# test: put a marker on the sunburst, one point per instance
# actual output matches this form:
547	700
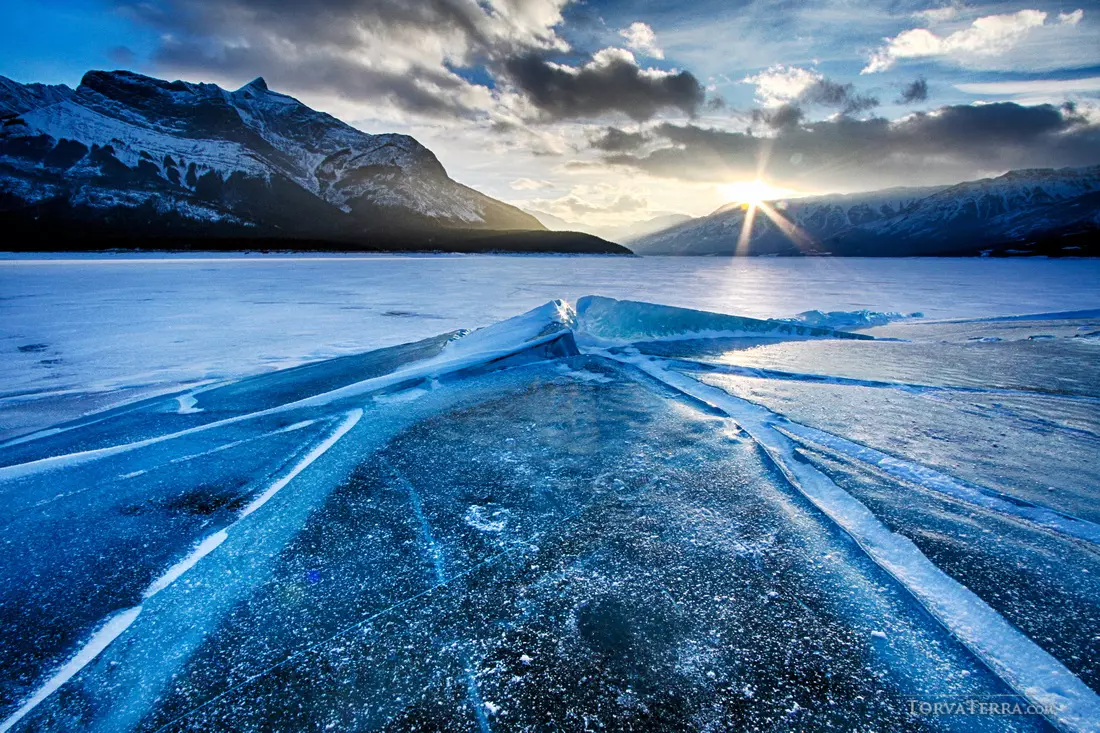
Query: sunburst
757	195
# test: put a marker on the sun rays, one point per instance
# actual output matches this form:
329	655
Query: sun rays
758	195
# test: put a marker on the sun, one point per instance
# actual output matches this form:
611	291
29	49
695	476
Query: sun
750	193
756	195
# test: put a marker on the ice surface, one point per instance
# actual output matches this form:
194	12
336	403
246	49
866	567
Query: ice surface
1043	583
599	511
117	328
1018	660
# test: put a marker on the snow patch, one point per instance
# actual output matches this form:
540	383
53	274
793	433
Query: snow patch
583	375
397	398
486	519
187	404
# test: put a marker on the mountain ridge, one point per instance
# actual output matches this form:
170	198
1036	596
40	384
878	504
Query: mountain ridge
130	156
1028	211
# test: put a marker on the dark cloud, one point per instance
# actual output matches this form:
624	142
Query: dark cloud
915	91
950	143
410	53
715	104
786	115
341	23
403	51
821	93
428	91
614	140
844	97
611	83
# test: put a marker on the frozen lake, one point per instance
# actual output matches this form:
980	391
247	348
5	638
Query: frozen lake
101	324
587	513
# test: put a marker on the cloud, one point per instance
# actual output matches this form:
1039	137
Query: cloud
614	140
425	90
407	53
641	38
780	84
1036	86
530	184
842	96
938	15
915	91
441	59
612	82
1071	18
787	115
602	202
987	37
623	204
786	89
944	145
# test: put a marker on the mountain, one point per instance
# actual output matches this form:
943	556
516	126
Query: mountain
819	217
1015	210
128	157
1045	211
621	234
554	223
627	234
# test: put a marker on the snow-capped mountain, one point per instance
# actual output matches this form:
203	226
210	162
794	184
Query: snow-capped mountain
819	217
177	157
1021	211
16	98
1013	208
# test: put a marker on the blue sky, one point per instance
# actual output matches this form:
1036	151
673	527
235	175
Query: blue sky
606	112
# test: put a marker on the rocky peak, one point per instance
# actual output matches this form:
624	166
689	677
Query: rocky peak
258	84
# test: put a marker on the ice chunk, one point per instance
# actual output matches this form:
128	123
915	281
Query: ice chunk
849	319
610	321
550	318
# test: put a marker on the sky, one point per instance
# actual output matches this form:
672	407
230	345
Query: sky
604	113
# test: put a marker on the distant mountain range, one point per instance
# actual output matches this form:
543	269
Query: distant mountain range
624	233
1025	212
128	160
125	160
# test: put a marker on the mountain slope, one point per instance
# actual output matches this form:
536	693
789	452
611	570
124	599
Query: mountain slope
1009	210
133	156
623	234
1027	211
819	217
